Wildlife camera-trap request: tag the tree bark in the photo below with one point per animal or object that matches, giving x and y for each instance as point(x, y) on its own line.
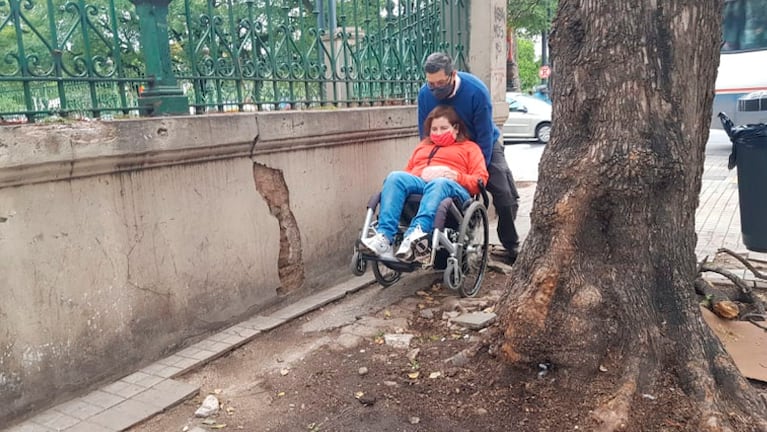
point(605, 278)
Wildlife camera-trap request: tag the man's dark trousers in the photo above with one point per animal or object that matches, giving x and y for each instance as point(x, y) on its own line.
point(501, 186)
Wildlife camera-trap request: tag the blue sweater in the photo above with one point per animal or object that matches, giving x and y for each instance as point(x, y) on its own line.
point(472, 103)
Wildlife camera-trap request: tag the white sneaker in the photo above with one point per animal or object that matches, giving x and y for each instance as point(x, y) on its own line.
point(414, 245)
point(378, 245)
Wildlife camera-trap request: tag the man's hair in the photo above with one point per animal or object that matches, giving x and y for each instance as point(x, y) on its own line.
point(438, 61)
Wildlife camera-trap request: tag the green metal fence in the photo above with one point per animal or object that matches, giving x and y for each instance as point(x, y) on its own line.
point(101, 58)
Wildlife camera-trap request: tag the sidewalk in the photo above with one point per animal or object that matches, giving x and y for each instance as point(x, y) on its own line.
point(151, 390)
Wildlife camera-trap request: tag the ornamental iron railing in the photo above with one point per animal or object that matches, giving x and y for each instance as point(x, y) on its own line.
point(101, 58)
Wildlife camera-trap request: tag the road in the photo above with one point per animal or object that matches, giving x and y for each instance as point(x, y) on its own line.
point(523, 157)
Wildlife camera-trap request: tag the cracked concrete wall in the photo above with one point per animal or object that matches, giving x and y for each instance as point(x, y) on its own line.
point(122, 241)
point(270, 183)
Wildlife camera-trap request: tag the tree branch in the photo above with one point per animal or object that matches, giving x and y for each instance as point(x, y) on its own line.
point(740, 283)
point(743, 261)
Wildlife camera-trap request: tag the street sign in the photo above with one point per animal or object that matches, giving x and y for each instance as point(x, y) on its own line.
point(544, 72)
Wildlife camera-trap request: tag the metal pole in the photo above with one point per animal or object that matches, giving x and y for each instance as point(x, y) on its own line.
point(163, 96)
point(321, 15)
point(545, 57)
point(332, 15)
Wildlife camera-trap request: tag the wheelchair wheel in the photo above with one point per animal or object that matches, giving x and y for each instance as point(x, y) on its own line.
point(385, 275)
point(472, 257)
point(358, 265)
point(453, 275)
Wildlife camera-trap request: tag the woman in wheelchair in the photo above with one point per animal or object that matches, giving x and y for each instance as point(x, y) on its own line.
point(446, 164)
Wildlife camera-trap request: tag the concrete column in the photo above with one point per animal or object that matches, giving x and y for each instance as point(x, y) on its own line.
point(487, 50)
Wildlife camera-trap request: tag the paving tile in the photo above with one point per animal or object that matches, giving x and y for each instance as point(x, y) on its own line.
point(191, 352)
point(167, 394)
point(78, 409)
point(234, 340)
point(170, 372)
point(87, 426)
point(212, 345)
point(186, 363)
point(475, 320)
point(54, 420)
point(123, 389)
point(30, 427)
point(102, 399)
point(218, 337)
point(295, 310)
point(262, 323)
point(154, 368)
point(124, 415)
point(142, 379)
point(242, 331)
point(172, 360)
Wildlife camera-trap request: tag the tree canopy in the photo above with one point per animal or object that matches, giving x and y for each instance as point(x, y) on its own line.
point(532, 16)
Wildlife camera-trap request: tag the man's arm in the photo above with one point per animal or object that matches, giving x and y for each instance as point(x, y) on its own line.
point(483, 128)
point(423, 112)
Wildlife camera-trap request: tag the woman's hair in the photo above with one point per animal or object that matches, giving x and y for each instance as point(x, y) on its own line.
point(449, 113)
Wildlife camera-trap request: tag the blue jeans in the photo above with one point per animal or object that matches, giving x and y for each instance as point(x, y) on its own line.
point(396, 188)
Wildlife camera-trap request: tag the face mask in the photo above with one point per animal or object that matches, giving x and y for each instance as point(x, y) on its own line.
point(442, 140)
point(442, 92)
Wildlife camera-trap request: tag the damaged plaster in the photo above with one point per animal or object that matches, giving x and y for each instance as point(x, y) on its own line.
point(270, 183)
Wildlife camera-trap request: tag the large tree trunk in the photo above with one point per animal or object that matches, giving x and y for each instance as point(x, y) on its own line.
point(605, 279)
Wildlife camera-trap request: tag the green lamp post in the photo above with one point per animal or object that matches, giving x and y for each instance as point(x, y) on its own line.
point(162, 95)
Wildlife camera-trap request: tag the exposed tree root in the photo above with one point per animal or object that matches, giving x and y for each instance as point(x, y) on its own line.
point(613, 415)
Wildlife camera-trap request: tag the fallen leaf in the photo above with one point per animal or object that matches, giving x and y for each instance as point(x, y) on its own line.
point(209, 421)
point(413, 375)
point(281, 394)
point(387, 314)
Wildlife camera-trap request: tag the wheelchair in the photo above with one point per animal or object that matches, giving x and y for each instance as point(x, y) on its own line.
point(458, 244)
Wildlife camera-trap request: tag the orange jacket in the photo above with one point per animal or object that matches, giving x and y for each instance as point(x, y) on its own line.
point(464, 157)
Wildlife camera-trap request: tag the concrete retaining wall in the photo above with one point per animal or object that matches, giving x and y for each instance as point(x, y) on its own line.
point(122, 241)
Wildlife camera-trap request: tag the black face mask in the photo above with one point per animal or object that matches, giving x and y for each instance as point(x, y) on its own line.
point(442, 92)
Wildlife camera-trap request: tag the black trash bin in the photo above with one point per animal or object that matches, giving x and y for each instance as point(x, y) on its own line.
point(749, 154)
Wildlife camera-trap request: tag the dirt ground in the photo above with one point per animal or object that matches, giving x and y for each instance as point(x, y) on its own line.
point(333, 370)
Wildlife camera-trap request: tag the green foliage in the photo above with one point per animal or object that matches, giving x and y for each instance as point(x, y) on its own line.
point(528, 66)
point(531, 16)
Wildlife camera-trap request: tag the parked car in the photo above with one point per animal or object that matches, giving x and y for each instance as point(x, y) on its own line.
point(529, 118)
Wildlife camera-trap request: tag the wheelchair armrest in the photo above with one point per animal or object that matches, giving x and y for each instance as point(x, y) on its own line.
point(374, 200)
point(483, 193)
point(447, 207)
